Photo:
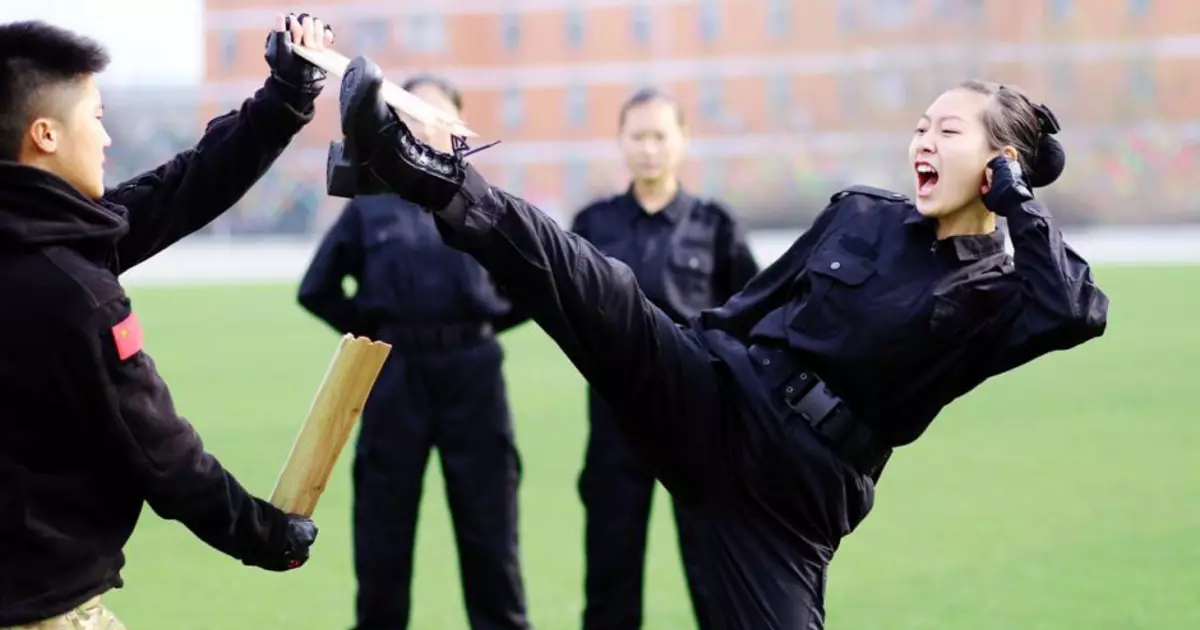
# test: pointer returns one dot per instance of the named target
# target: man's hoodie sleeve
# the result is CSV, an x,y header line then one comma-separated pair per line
x,y
165,456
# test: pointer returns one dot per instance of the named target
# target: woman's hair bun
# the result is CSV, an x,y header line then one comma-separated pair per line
x,y
1048,162
1049,158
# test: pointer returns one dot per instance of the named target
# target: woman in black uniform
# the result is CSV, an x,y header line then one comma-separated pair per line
x,y
771,416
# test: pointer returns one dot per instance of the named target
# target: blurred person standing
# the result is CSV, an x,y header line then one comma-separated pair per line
x,y
441,387
687,254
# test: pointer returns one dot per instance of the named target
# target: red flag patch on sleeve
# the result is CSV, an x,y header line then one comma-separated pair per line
x,y
128,336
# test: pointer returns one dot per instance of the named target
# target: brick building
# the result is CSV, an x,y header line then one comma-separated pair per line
x,y
784,97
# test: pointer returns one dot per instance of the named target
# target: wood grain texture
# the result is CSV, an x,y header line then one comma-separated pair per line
x,y
331,418
402,100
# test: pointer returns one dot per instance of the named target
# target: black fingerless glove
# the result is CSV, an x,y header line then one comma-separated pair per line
x,y
288,545
1010,188
290,68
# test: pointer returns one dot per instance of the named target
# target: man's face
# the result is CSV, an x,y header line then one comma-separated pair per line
x,y
652,140
70,143
435,138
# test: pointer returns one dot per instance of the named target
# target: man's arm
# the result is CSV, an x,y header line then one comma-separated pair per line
x,y
735,263
512,317
339,255
195,187
166,459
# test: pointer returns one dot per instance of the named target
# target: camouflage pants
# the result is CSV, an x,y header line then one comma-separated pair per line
x,y
90,615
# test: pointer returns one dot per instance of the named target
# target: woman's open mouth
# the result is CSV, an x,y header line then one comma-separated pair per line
x,y
927,179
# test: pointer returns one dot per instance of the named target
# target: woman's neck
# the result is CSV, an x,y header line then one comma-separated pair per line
x,y
972,220
655,194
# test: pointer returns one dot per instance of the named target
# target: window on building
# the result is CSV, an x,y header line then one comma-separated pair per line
x,y
575,180
891,13
779,18
972,10
891,89
713,179
512,108
640,19
945,10
780,96
371,36
1139,8
1062,81
229,48
424,32
1060,9
849,87
574,25
711,99
577,105
847,14
514,179
510,30
1143,84
709,12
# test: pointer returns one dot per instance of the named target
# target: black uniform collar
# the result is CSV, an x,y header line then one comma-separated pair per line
x,y
966,248
672,212
40,208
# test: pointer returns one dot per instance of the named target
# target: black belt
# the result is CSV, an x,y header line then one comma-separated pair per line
x,y
433,338
809,399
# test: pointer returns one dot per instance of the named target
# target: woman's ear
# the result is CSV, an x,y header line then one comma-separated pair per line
x,y
1010,152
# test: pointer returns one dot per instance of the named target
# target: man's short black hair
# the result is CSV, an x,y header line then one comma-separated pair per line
x,y
439,82
649,95
36,58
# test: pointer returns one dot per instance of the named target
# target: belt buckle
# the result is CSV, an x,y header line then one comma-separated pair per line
x,y
812,401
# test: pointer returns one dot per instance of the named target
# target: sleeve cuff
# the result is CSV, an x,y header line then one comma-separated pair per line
x,y
1026,214
301,102
474,209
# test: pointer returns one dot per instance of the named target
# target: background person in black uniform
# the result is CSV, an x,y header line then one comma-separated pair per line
x,y
442,386
688,254
88,430
772,416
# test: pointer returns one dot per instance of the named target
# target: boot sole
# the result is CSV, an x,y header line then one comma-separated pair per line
x,y
342,173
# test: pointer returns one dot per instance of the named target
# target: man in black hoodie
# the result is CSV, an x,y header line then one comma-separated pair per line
x,y
88,431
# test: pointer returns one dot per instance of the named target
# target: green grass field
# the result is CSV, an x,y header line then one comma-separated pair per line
x,y
1063,496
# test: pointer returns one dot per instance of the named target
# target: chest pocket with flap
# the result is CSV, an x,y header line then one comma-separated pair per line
x,y
831,293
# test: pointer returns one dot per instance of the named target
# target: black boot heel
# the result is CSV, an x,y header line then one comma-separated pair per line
x,y
341,173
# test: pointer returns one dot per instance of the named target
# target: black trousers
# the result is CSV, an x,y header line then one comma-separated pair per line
x,y
617,490
453,400
767,500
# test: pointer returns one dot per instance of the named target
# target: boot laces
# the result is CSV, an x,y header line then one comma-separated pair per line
x,y
462,149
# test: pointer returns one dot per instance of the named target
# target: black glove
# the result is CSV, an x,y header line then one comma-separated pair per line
x,y
289,545
286,65
1008,187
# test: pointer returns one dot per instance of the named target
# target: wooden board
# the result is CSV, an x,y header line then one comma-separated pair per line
x,y
334,412
402,100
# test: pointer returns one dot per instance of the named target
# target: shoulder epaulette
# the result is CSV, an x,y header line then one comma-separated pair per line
x,y
869,191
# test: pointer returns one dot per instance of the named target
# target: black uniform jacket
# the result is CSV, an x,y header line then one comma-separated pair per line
x,y
404,274
897,322
88,431
900,323
689,256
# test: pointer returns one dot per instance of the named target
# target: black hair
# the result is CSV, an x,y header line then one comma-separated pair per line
x,y
441,83
36,59
649,95
1013,119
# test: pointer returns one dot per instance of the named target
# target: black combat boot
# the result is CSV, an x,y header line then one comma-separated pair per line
x,y
379,154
